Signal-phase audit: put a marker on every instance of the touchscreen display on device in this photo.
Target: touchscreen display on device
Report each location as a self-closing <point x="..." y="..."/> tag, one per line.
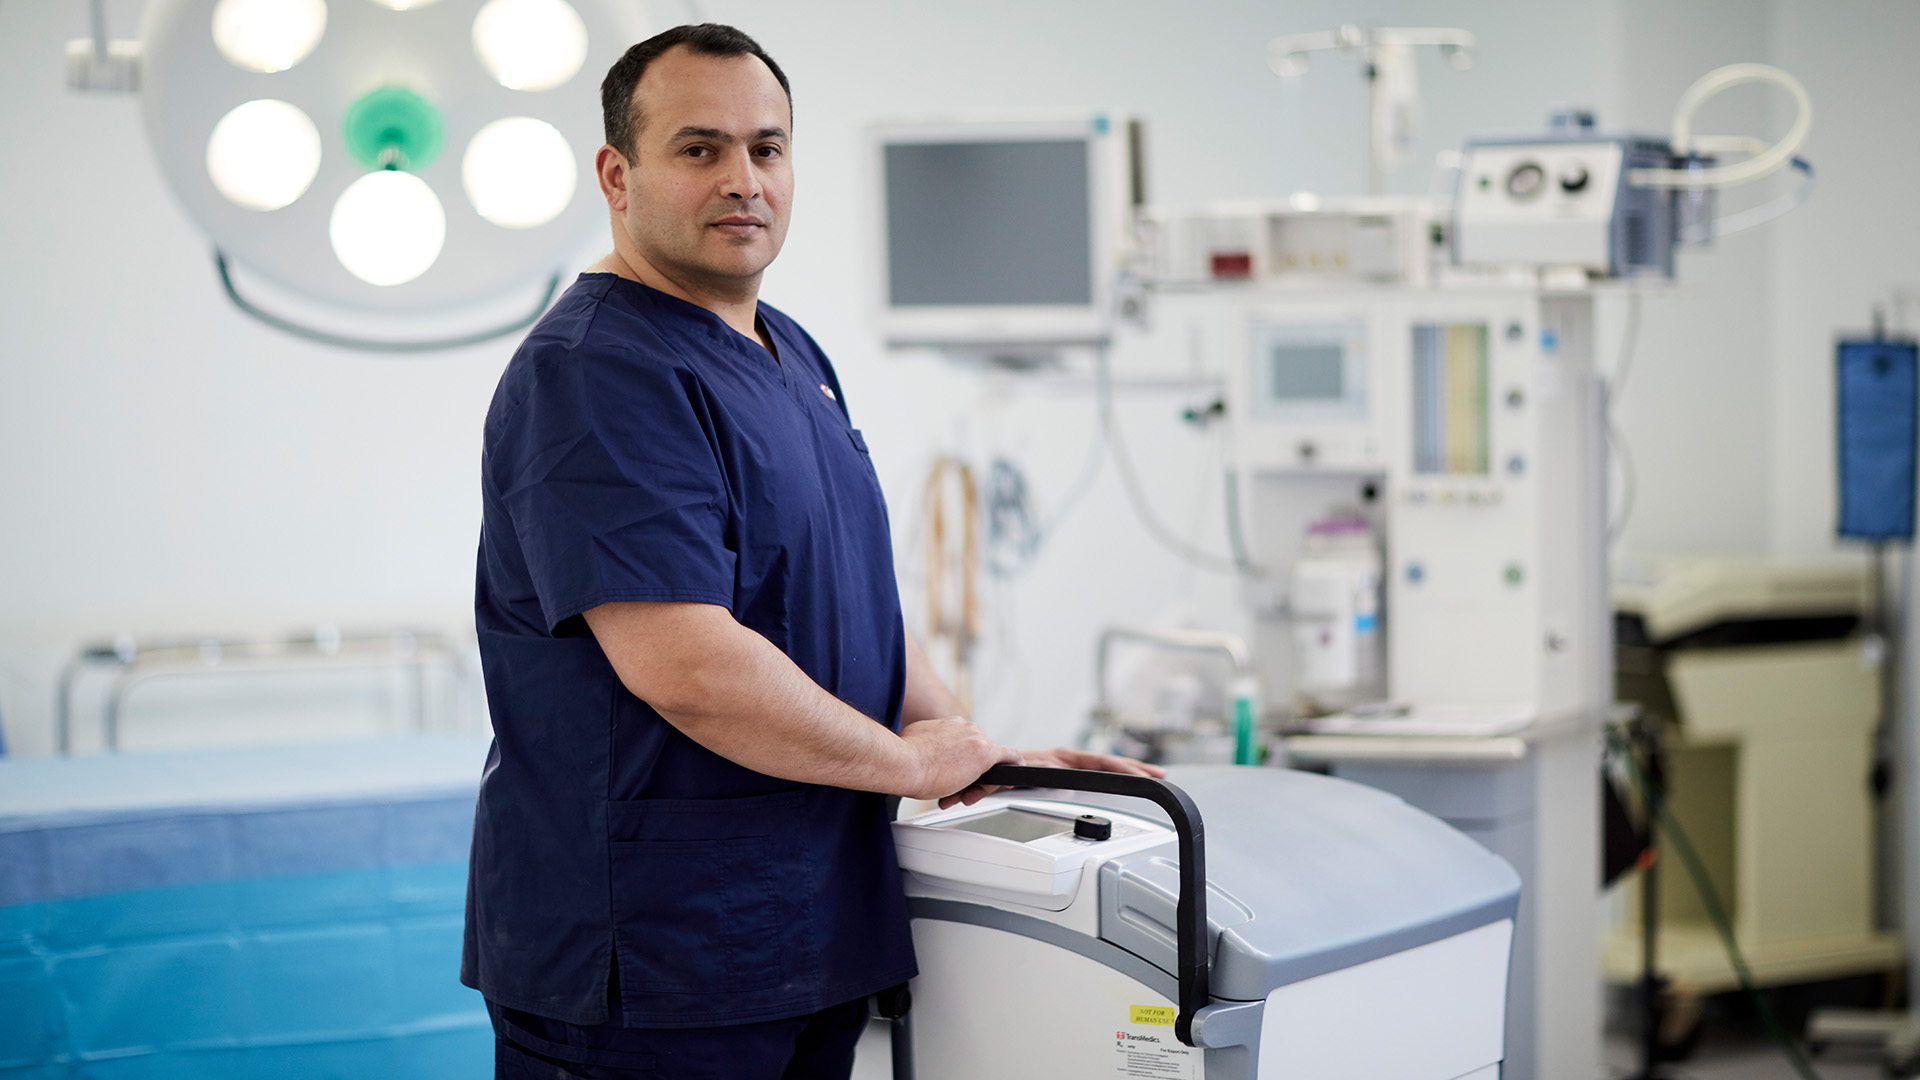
<point x="1020" y="826"/>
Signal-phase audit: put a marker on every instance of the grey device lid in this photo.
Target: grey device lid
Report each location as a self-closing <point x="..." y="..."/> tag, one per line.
<point x="1306" y="874"/>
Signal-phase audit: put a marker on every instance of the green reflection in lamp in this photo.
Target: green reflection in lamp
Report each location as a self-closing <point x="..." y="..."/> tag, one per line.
<point x="391" y="127"/>
<point x="388" y="227"/>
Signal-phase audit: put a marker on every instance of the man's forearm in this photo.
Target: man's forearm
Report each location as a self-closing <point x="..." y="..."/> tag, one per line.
<point x="732" y="691"/>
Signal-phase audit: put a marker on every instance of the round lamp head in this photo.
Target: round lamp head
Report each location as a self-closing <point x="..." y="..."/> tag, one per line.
<point x="387" y="227"/>
<point x="263" y="154"/>
<point x="268" y="35"/>
<point x="421" y="146"/>
<point x="519" y="172"/>
<point x="530" y="44"/>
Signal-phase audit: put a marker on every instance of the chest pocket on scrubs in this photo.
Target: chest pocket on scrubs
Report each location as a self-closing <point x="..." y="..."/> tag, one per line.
<point x="707" y="912"/>
<point x="866" y="458"/>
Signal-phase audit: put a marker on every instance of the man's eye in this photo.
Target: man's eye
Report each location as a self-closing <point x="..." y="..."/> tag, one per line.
<point x="767" y="151"/>
<point x="697" y="151"/>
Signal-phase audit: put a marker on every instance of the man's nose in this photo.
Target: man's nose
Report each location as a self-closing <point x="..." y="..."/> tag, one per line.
<point x="740" y="180"/>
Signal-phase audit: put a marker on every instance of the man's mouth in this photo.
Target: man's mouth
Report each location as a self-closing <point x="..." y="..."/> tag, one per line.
<point x="739" y="224"/>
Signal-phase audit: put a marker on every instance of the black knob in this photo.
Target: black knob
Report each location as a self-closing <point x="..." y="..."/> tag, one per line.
<point x="1089" y="827"/>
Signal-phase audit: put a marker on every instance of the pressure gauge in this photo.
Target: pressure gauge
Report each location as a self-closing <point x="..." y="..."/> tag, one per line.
<point x="1526" y="181"/>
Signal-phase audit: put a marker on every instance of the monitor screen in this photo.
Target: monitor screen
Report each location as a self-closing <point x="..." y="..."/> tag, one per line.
<point x="1021" y="826"/>
<point x="1309" y="371"/>
<point x="988" y="223"/>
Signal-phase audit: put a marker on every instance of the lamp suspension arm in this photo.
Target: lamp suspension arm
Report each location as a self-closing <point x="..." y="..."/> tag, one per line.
<point x="374" y="344"/>
<point x="1190" y="917"/>
<point x="97" y="18"/>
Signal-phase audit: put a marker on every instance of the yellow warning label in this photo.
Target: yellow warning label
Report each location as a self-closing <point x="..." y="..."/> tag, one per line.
<point x="1152" y="1014"/>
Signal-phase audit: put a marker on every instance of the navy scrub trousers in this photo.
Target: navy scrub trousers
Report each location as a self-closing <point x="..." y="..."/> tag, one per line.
<point x="814" y="1047"/>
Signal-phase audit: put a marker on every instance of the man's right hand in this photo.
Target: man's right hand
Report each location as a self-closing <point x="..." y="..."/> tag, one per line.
<point x="951" y="752"/>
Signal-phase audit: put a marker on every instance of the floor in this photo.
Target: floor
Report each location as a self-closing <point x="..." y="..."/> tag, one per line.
<point x="1741" y="1053"/>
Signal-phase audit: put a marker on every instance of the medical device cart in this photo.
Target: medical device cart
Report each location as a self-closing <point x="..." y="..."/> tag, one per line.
<point x="1769" y="698"/>
<point x="1065" y="932"/>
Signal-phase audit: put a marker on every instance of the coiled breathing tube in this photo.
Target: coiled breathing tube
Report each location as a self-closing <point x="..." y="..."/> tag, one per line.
<point x="1762" y="163"/>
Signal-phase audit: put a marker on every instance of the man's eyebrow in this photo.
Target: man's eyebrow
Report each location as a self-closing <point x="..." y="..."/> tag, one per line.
<point x="716" y="135"/>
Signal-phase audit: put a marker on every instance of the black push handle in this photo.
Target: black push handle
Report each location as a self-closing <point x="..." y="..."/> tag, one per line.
<point x="1191" y="915"/>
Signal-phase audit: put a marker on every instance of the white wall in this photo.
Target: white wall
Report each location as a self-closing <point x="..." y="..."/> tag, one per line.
<point x="168" y="465"/>
<point x="1841" y="252"/>
<point x="1695" y="406"/>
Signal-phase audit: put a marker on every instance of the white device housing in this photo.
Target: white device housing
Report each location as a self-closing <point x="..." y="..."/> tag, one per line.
<point x="1304" y="241"/>
<point x="1547" y="225"/>
<point x="1044" y="872"/>
<point x="1314" y="936"/>
<point x="1473" y="416"/>
<point x="1564" y="202"/>
<point x="1336" y="613"/>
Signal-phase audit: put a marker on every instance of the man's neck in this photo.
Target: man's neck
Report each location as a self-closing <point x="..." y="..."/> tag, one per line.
<point x="742" y="313"/>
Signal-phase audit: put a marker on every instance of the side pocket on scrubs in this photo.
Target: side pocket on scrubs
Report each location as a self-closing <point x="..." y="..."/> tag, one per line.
<point x="696" y="916"/>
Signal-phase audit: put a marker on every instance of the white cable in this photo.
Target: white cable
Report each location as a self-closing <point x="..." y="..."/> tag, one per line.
<point x="1616" y="438"/>
<point x="1765" y="163"/>
<point x="1135" y="492"/>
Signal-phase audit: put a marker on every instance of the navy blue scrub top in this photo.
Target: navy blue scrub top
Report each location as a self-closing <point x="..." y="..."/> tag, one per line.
<point x="638" y="448"/>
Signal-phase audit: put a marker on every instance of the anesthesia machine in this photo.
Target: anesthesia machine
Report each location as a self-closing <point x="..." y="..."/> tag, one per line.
<point x="1418" y="495"/>
<point x="1422" y="444"/>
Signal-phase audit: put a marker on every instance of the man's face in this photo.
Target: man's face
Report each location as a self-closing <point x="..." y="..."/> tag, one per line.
<point x="710" y="184"/>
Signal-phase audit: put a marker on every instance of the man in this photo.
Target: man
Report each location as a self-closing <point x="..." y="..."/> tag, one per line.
<point x="701" y="687"/>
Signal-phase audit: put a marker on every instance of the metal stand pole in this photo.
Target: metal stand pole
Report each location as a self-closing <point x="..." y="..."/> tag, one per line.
<point x="1652" y="985"/>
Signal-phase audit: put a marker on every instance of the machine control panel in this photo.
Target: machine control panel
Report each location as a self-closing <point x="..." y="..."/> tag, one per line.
<point x="1563" y="202"/>
<point x="1003" y="845"/>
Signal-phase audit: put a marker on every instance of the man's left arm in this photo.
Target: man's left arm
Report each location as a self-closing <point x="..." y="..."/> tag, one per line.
<point x="928" y="698"/>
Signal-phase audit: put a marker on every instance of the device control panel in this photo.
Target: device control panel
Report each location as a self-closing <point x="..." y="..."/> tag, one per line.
<point x="1540" y="204"/>
<point x="1035" y="848"/>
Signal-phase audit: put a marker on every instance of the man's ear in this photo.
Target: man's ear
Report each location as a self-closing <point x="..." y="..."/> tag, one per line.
<point x="611" y="166"/>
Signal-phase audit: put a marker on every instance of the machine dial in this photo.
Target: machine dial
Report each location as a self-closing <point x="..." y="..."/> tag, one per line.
<point x="1091" y="827"/>
<point x="1526" y="181"/>
<point x="1573" y="179"/>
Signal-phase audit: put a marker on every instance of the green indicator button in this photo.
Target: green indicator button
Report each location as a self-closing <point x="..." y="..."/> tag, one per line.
<point x="391" y="127"/>
<point x="1515" y="575"/>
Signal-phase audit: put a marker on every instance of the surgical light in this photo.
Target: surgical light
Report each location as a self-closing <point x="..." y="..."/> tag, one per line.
<point x="268" y="35"/>
<point x="519" y="172"/>
<point x="388" y="227"/>
<point x="263" y="154"/>
<point x="530" y="44"/>
<point x="424" y="219"/>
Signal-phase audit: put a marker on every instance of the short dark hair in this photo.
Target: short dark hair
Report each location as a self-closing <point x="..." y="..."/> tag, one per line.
<point x="621" y="115"/>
